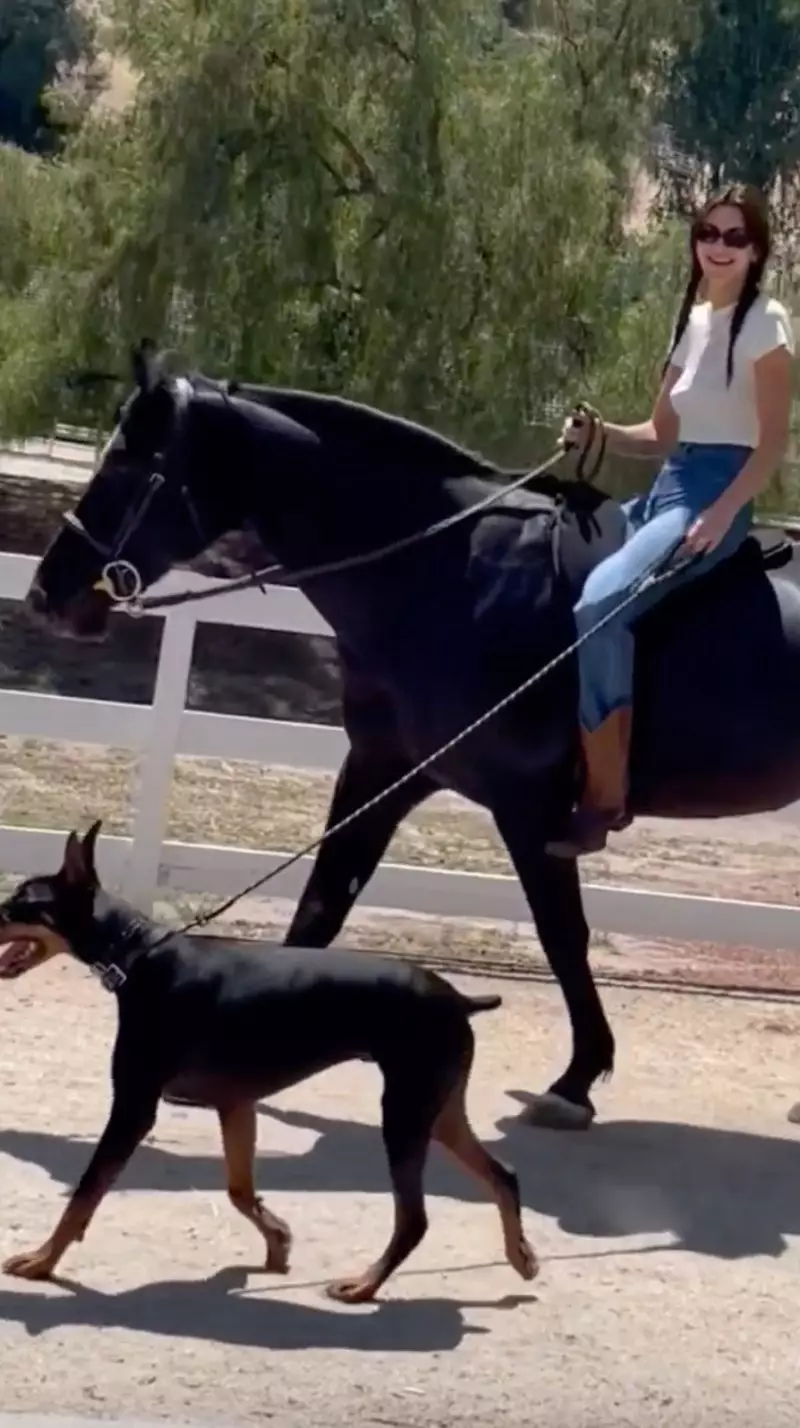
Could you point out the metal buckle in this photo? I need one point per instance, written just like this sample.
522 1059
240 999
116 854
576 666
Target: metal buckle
121 582
111 977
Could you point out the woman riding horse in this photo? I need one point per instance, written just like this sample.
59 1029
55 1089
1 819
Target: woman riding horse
722 413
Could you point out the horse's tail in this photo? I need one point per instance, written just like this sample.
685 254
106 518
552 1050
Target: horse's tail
481 1004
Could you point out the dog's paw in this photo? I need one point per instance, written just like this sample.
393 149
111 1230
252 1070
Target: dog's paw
352 1291
36 1264
278 1255
522 1257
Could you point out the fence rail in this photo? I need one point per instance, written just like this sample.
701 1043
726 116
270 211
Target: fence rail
157 733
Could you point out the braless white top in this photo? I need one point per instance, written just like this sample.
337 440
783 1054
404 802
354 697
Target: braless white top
708 410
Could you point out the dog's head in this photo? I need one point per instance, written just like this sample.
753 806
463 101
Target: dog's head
52 914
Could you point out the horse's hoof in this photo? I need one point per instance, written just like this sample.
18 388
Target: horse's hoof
794 1114
554 1112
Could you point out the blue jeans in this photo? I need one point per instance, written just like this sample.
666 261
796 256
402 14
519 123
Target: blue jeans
688 482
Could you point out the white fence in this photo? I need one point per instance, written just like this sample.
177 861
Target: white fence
157 733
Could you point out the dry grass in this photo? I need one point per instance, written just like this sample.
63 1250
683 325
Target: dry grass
247 805
230 802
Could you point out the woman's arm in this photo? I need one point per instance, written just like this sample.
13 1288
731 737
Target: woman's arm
773 395
647 438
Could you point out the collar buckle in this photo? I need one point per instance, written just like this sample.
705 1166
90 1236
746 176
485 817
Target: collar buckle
110 977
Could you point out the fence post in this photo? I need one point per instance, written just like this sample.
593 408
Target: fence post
154 770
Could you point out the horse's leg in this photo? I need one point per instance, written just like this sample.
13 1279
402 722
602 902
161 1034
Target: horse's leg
552 887
346 862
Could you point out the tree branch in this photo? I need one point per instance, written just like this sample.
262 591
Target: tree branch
368 181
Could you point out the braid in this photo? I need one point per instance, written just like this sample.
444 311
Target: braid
745 300
687 303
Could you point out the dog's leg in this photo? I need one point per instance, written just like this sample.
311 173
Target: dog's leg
454 1132
239 1141
407 1124
346 862
131 1119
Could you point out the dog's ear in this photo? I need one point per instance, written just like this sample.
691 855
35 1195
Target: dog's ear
78 866
87 847
73 867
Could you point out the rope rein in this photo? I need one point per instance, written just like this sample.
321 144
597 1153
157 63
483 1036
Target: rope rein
151 603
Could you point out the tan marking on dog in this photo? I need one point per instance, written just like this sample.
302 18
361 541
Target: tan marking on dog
27 945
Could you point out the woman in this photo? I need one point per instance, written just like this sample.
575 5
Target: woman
723 415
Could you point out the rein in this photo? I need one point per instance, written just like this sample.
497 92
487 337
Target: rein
121 581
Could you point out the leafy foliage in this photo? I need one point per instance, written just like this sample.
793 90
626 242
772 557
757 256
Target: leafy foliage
42 42
733 92
421 203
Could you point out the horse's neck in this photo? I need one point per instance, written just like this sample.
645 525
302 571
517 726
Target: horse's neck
314 502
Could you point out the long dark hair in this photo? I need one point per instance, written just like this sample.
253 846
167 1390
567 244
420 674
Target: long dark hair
755 217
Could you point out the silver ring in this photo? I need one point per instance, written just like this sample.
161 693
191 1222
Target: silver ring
116 575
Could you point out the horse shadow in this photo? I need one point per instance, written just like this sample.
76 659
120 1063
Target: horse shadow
722 1193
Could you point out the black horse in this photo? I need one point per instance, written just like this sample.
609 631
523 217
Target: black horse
432 636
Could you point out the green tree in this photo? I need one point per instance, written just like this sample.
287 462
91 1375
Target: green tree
732 96
397 199
42 42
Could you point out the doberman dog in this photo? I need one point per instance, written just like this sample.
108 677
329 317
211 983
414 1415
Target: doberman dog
230 1026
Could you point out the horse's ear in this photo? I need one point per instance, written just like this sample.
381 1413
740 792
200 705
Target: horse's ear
146 365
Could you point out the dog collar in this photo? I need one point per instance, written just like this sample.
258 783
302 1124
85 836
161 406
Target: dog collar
109 974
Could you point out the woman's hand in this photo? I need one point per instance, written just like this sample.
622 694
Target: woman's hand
577 432
710 527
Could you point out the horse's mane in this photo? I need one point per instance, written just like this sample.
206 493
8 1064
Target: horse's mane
363 425
392 440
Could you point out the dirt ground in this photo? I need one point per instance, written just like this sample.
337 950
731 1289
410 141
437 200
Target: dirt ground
668 1235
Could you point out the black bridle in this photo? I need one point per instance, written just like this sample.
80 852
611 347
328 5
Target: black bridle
120 579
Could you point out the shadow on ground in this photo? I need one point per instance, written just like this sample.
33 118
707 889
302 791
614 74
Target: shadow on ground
727 1194
230 1308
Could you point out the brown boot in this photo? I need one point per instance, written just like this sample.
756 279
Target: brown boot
602 809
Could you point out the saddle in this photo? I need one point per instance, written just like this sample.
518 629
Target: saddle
585 538
533 553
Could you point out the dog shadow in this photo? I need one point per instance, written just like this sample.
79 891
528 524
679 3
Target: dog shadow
224 1310
722 1193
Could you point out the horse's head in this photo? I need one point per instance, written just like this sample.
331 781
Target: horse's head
149 505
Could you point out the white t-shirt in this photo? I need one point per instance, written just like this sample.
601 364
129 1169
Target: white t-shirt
708 410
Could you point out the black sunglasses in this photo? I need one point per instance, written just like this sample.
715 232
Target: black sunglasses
729 237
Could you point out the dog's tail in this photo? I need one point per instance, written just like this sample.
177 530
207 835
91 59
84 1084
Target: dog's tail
481 1004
